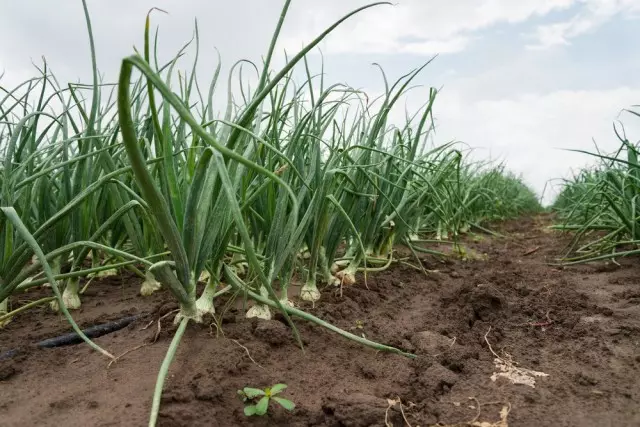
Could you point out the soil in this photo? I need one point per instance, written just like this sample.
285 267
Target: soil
580 325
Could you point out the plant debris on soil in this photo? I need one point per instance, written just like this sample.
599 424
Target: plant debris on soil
578 325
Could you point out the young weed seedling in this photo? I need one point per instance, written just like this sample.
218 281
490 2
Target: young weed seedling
249 394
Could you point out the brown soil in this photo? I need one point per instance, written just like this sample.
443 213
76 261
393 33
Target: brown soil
580 325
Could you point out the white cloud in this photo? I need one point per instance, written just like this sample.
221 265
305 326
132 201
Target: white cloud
430 47
439 26
592 15
433 26
532 131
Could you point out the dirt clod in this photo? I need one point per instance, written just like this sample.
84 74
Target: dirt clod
487 302
272 332
354 410
431 343
435 381
6 372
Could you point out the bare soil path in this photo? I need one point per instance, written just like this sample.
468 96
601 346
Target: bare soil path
579 325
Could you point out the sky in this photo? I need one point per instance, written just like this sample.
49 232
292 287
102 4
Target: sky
520 82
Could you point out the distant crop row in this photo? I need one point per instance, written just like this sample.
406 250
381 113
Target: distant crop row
599 205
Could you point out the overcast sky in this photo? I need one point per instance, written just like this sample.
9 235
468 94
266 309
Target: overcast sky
521 80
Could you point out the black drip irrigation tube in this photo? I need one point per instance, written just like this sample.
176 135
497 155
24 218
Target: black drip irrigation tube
73 338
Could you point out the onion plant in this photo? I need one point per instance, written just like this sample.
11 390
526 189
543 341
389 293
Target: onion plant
181 218
600 204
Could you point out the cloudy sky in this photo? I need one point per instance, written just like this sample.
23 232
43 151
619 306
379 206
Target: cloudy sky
521 80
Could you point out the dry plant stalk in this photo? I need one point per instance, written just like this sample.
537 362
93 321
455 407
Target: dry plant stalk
510 371
391 403
504 413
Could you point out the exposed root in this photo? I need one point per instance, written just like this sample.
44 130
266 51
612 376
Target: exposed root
248 354
219 331
159 329
391 403
510 371
115 359
504 413
541 324
147 325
